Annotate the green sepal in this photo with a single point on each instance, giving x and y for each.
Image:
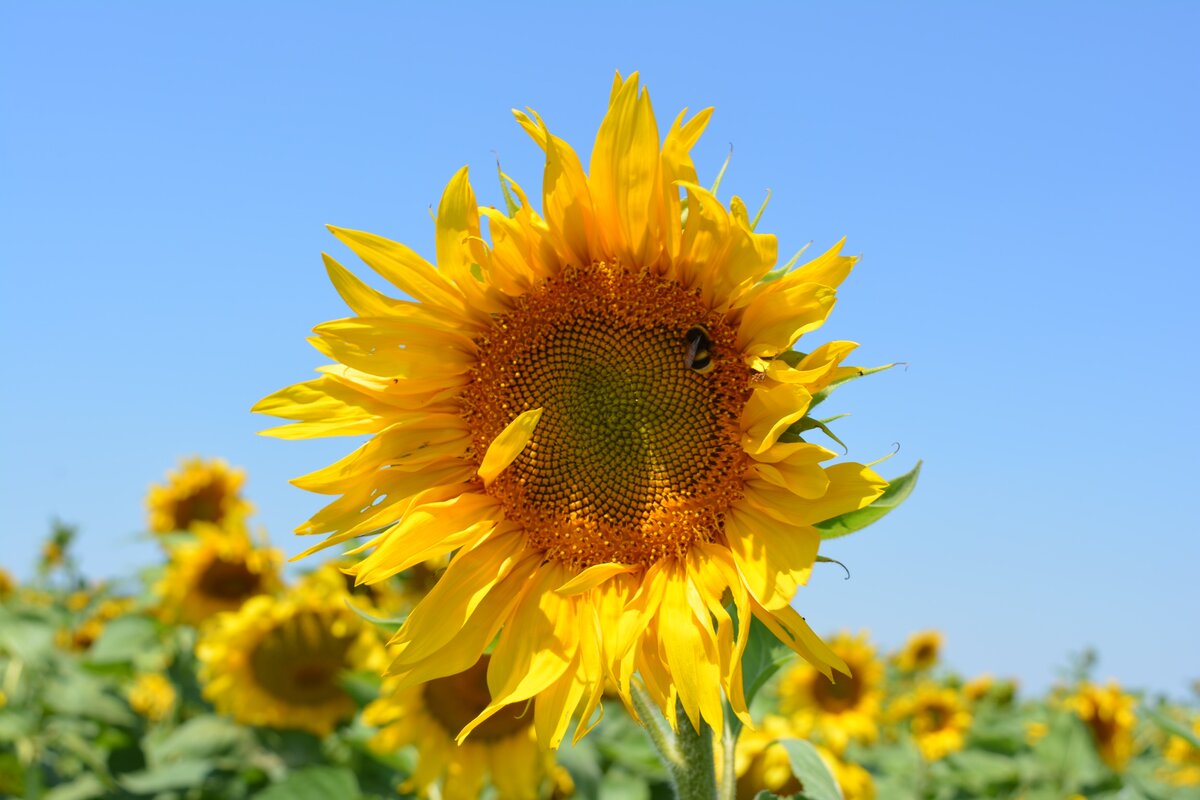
(800, 426)
(721, 175)
(510, 205)
(860, 372)
(897, 492)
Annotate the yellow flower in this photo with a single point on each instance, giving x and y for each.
(1035, 731)
(277, 662)
(841, 710)
(152, 695)
(978, 688)
(201, 491)
(1183, 760)
(85, 634)
(217, 571)
(8, 584)
(1108, 714)
(591, 412)
(938, 719)
(428, 716)
(920, 652)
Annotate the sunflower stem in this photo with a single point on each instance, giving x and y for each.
(686, 752)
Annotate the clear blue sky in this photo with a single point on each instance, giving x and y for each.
(1022, 182)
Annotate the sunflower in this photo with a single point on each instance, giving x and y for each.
(201, 491)
(597, 413)
(8, 584)
(152, 695)
(1183, 759)
(430, 715)
(277, 662)
(1108, 714)
(217, 571)
(920, 652)
(82, 636)
(938, 718)
(842, 709)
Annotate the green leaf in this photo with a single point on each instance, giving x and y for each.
(362, 686)
(178, 775)
(314, 783)
(764, 656)
(811, 770)
(27, 635)
(129, 639)
(1173, 727)
(984, 774)
(202, 737)
(896, 493)
(85, 787)
(78, 694)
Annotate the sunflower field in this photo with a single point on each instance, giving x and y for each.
(210, 675)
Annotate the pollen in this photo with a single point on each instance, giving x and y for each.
(637, 454)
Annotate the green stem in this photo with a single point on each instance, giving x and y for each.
(686, 752)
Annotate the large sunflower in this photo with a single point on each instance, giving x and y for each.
(218, 570)
(200, 491)
(597, 413)
(429, 716)
(277, 662)
(840, 710)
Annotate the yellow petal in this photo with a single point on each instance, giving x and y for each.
(781, 314)
(362, 299)
(592, 577)
(625, 177)
(405, 269)
(769, 412)
(505, 448)
(773, 557)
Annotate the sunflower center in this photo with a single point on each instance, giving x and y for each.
(206, 504)
(229, 580)
(840, 694)
(637, 454)
(299, 660)
(457, 699)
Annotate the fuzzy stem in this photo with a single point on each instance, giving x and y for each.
(686, 753)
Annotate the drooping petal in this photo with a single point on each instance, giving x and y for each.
(508, 445)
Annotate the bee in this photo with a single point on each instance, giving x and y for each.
(698, 356)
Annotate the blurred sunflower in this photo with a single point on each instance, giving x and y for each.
(83, 635)
(7, 584)
(1182, 759)
(277, 662)
(842, 709)
(938, 718)
(152, 695)
(1108, 713)
(921, 652)
(218, 570)
(200, 491)
(503, 749)
(598, 412)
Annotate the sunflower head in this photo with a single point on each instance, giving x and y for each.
(921, 652)
(938, 718)
(598, 410)
(152, 696)
(200, 491)
(836, 710)
(761, 763)
(218, 570)
(8, 584)
(1108, 713)
(1182, 759)
(277, 662)
(504, 750)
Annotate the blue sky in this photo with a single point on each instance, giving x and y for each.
(1021, 181)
